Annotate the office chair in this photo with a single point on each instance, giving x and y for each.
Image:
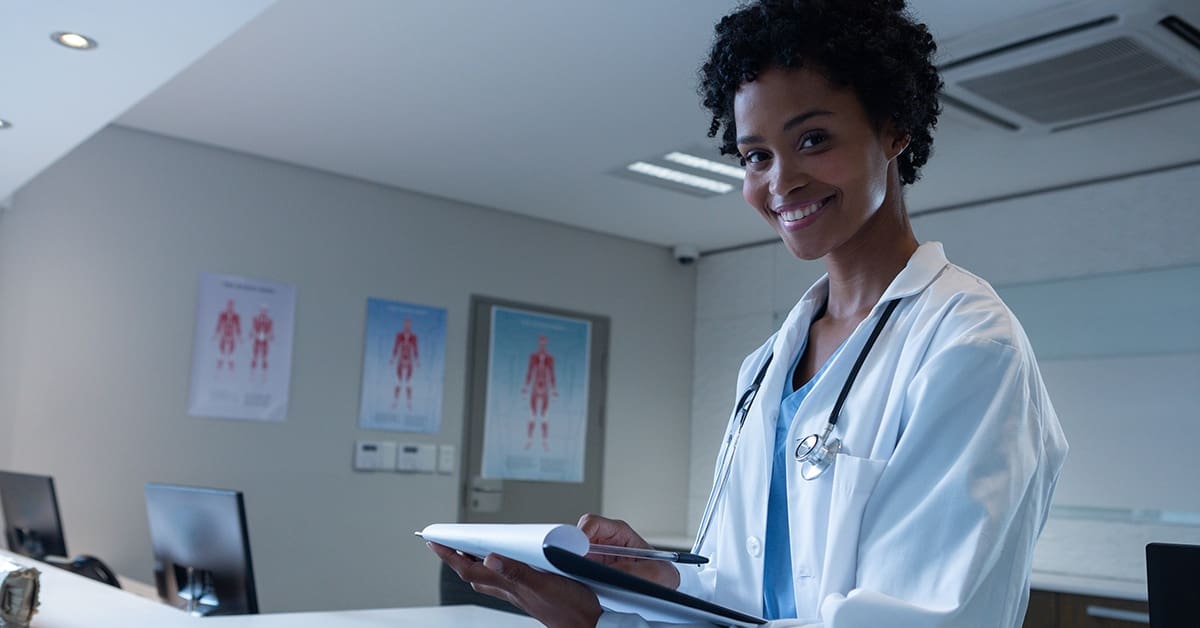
(1173, 584)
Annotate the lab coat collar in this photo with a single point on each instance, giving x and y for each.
(923, 267)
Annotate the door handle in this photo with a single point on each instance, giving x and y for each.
(1105, 612)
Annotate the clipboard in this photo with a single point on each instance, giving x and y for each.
(639, 592)
(560, 549)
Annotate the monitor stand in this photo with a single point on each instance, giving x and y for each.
(198, 591)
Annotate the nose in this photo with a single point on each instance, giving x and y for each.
(786, 176)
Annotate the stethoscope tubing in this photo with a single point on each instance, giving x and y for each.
(743, 409)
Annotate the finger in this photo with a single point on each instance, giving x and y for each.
(495, 592)
(515, 572)
(468, 568)
(610, 531)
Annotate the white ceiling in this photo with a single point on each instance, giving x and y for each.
(56, 97)
(529, 106)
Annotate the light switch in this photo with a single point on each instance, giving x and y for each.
(447, 461)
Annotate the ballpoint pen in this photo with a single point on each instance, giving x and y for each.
(686, 558)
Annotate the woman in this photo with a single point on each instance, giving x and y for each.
(928, 512)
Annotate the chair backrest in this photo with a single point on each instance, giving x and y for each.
(1173, 584)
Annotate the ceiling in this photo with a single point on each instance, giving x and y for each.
(527, 106)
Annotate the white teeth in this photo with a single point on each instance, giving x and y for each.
(797, 214)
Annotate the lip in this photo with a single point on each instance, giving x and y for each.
(793, 225)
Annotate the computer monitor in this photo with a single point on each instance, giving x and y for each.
(32, 526)
(1173, 584)
(201, 549)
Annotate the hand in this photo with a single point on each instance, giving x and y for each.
(555, 601)
(603, 531)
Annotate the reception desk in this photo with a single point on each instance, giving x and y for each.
(72, 601)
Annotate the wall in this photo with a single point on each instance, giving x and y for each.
(99, 261)
(1106, 280)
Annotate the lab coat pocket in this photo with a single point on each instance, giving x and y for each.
(854, 481)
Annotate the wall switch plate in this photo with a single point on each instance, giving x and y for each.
(374, 455)
(414, 458)
(447, 460)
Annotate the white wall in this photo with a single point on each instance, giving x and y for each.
(1105, 278)
(99, 260)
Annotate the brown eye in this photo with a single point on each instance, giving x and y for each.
(813, 140)
(754, 157)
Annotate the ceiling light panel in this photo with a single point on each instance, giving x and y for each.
(690, 182)
(708, 165)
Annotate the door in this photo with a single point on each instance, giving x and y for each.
(550, 438)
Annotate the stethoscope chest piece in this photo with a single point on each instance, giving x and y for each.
(816, 454)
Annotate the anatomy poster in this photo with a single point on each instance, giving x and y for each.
(404, 367)
(535, 424)
(242, 351)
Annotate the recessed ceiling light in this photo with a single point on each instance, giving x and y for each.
(682, 178)
(700, 163)
(73, 40)
(4, 124)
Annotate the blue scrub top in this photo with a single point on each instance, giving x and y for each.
(779, 598)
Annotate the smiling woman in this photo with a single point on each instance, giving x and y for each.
(937, 447)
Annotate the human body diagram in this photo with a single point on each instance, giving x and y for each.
(406, 357)
(228, 332)
(540, 386)
(262, 332)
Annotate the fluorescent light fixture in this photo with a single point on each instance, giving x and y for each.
(682, 178)
(4, 124)
(700, 163)
(73, 40)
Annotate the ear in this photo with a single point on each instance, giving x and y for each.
(898, 145)
(895, 140)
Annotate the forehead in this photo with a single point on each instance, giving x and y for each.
(785, 92)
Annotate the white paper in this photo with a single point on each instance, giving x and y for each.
(519, 541)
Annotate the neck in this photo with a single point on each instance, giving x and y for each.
(862, 268)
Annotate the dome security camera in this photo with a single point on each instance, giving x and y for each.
(686, 255)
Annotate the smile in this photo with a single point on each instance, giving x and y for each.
(796, 213)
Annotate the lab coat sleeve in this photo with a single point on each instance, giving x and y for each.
(629, 620)
(947, 536)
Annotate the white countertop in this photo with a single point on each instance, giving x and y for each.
(72, 601)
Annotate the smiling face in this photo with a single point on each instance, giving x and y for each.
(816, 167)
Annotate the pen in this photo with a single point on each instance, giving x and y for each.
(686, 558)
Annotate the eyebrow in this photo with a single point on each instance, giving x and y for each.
(790, 124)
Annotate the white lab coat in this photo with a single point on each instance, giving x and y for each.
(951, 451)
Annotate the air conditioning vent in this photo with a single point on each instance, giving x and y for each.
(1079, 73)
(1098, 80)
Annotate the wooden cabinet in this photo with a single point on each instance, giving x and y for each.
(1048, 609)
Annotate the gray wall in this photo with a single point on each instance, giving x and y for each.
(1106, 280)
(99, 261)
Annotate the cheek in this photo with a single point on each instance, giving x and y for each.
(753, 190)
(872, 179)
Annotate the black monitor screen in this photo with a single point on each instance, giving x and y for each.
(32, 526)
(201, 549)
(1173, 583)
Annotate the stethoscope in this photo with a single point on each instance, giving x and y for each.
(814, 452)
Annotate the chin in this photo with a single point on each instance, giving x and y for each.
(806, 253)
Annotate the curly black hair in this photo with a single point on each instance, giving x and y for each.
(871, 46)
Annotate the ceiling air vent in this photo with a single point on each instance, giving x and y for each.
(1079, 73)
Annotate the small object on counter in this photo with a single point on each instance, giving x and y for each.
(18, 593)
